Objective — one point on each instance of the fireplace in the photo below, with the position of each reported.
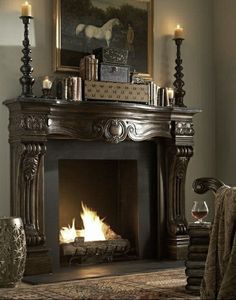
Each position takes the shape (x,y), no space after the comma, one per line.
(117,181)
(145,150)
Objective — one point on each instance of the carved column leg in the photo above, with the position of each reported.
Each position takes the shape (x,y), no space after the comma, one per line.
(178,158)
(27,160)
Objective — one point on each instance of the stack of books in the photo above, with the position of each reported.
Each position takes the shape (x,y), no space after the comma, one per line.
(89,67)
(154,94)
(69,88)
(199,234)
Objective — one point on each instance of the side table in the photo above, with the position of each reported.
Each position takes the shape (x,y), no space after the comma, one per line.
(199,235)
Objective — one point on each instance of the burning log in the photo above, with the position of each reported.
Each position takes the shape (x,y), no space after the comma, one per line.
(97,240)
(94,228)
(85,249)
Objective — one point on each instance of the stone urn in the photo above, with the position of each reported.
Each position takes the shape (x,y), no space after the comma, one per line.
(12,251)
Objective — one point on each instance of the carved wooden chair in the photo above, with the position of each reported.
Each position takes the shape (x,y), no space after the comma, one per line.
(205,184)
(220,266)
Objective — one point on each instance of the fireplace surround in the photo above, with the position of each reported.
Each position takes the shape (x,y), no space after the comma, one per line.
(35,123)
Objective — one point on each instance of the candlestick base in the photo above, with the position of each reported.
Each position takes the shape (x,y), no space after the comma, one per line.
(182,39)
(27,18)
(171,102)
(47,94)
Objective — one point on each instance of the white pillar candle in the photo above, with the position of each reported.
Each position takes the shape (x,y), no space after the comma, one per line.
(179,32)
(26,10)
(47,84)
(170,92)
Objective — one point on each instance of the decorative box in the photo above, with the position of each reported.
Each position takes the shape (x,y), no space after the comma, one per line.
(112,55)
(114,91)
(114,73)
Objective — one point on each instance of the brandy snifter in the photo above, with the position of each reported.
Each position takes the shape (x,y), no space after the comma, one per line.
(199,211)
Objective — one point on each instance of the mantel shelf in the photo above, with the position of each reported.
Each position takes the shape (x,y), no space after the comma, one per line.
(42,119)
(99,103)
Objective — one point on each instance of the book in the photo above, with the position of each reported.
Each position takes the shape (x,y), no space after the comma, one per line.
(199,240)
(195,272)
(193,264)
(197,256)
(198,248)
(194,281)
(69,88)
(89,67)
(193,288)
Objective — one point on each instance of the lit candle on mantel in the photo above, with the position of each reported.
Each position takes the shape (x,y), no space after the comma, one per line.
(170,93)
(179,32)
(47,84)
(26,10)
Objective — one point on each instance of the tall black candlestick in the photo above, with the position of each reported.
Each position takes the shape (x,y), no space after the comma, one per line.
(179,83)
(26,69)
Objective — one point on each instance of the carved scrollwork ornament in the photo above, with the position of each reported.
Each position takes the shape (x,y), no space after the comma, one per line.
(181,167)
(178,228)
(98,128)
(21,149)
(115,131)
(181,229)
(33,237)
(31,160)
(30,166)
(183,129)
(132,131)
(183,154)
(35,122)
(179,157)
(184,151)
(202,185)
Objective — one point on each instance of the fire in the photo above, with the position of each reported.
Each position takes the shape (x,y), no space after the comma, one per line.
(93,225)
(94,228)
(68,234)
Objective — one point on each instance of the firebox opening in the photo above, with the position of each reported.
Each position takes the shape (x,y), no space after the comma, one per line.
(118,181)
(108,187)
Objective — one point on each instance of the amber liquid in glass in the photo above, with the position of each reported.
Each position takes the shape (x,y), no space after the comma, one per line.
(199,214)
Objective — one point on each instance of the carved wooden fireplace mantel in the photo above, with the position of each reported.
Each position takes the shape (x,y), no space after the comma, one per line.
(34,121)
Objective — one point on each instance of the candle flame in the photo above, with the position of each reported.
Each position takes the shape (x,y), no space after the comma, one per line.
(178,26)
(26,3)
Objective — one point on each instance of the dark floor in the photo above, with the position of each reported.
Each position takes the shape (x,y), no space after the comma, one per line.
(103,270)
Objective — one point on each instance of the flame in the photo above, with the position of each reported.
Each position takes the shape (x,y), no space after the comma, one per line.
(68,234)
(94,228)
(93,225)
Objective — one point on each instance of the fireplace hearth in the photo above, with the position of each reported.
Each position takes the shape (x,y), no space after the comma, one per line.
(146,150)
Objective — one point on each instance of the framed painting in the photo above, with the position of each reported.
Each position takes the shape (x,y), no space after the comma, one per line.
(84,25)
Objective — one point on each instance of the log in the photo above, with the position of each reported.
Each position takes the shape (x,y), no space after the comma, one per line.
(88,249)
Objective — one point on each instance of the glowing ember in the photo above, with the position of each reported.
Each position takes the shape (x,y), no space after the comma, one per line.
(68,234)
(93,225)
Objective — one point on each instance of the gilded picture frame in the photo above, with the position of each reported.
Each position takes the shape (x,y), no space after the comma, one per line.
(80,26)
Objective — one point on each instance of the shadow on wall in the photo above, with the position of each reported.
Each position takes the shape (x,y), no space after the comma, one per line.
(10,71)
(9,88)
(166,64)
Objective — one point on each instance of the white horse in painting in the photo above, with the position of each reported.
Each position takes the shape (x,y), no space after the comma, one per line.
(100,33)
